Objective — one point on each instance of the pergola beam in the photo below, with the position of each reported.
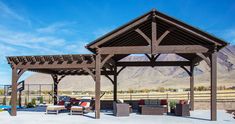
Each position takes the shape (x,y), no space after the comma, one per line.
(55,66)
(160,49)
(157,63)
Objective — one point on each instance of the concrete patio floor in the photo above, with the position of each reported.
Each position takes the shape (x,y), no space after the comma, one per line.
(33,117)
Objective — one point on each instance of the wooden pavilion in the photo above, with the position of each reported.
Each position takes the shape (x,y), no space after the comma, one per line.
(151,34)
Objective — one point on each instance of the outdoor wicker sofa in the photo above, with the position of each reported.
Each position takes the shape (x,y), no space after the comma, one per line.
(153,107)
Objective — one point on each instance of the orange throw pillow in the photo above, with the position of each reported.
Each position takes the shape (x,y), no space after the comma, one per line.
(83,104)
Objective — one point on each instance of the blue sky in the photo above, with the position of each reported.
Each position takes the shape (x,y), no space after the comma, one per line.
(33,27)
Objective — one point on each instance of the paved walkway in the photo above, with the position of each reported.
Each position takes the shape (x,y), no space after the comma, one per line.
(197,117)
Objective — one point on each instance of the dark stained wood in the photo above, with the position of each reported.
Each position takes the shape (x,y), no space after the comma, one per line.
(186,29)
(106,59)
(97,86)
(158,63)
(122,30)
(56,81)
(144,36)
(115,83)
(53,66)
(180,49)
(159,49)
(155,28)
(14,92)
(154,43)
(16,73)
(159,40)
(192,86)
(213,85)
(89,72)
(207,60)
(125,50)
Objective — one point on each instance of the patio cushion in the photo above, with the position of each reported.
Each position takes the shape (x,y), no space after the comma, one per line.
(84,104)
(163,102)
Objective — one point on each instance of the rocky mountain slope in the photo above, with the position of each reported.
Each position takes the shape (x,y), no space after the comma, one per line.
(148,77)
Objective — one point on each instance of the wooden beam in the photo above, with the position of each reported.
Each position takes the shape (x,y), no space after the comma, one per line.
(89,72)
(112,81)
(117,73)
(188,72)
(144,36)
(125,50)
(159,40)
(192,87)
(55,66)
(186,29)
(97,85)
(106,59)
(155,58)
(214,85)
(115,84)
(207,60)
(120,31)
(158,63)
(14,92)
(160,49)
(180,49)
(154,32)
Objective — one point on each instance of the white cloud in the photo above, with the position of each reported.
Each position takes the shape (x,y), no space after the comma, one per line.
(56,27)
(7,12)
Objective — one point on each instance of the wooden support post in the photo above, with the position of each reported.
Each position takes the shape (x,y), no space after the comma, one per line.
(154,33)
(55,88)
(56,81)
(115,84)
(14,92)
(213,85)
(16,73)
(192,86)
(97,85)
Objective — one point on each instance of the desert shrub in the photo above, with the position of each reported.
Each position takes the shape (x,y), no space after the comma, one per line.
(202,88)
(4,102)
(30,105)
(173,104)
(25,101)
(33,101)
(1,92)
(41,100)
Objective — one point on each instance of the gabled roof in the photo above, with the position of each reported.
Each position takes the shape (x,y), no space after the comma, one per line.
(183,33)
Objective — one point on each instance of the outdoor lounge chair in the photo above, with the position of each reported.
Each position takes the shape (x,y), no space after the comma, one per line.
(84,106)
(54,109)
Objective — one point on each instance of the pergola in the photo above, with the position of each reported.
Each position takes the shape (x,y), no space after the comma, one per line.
(151,34)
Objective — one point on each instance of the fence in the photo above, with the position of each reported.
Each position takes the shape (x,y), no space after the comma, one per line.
(222,96)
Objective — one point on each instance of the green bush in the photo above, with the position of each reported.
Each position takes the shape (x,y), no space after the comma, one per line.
(41,100)
(173,104)
(33,101)
(25,101)
(30,105)
(4,102)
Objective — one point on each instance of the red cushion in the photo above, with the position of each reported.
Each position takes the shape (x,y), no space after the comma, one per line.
(141,102)
(83,104)
(163,102)
(183,102)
